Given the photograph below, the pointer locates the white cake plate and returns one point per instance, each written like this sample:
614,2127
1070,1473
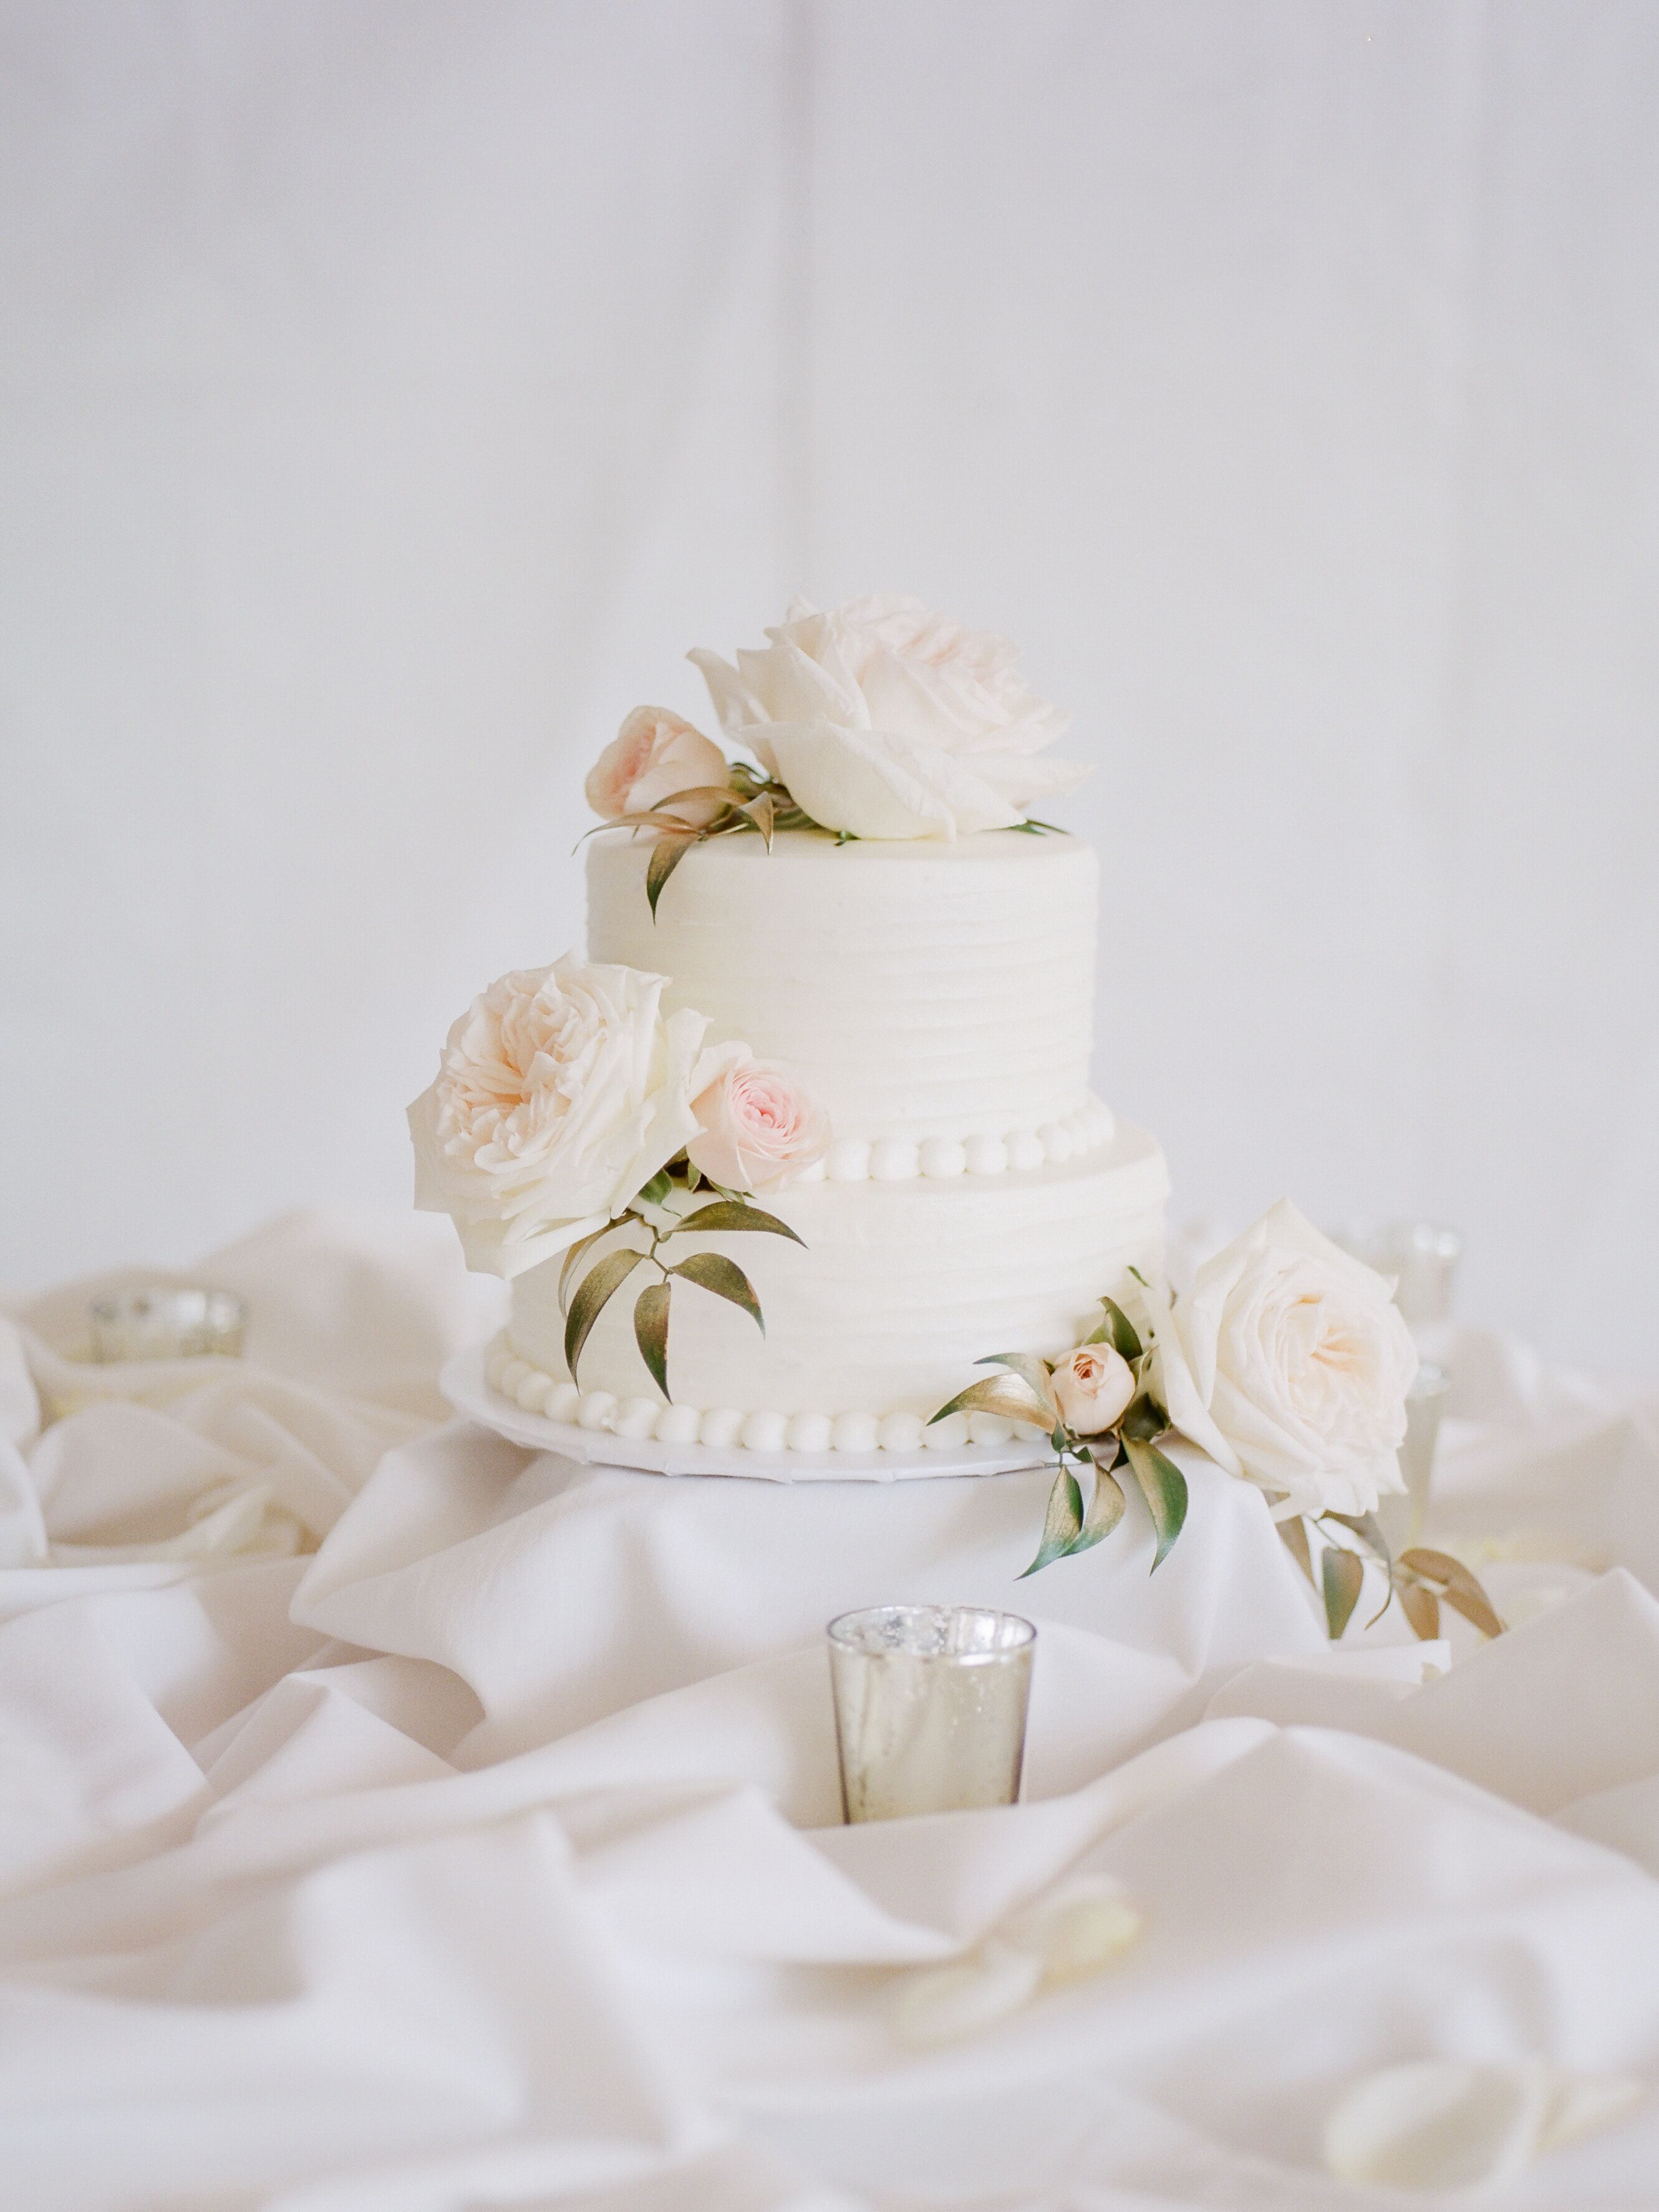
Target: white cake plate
463,1385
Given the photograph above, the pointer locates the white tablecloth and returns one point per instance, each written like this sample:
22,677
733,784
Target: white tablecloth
489,1855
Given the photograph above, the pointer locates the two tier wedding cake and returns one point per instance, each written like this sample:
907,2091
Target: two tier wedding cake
801,1157
931,999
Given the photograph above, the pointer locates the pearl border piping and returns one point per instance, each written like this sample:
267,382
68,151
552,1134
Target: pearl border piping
723,1425
901,1159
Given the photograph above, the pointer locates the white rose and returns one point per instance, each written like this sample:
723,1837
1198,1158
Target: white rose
757,1127
562,1091
890,721
1289,1363
1092,1385
653,759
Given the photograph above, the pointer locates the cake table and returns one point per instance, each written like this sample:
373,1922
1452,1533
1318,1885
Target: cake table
489,1855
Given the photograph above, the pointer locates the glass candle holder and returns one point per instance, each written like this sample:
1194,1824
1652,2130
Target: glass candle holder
1421,1257
931,1703
1402,1517
168,1323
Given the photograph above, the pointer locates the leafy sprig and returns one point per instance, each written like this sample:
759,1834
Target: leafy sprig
725,1213
1023,1392
1422,1580
749,803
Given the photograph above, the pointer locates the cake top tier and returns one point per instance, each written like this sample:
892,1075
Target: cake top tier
923,990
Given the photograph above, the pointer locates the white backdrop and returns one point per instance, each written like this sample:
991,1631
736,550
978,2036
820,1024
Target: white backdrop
392,391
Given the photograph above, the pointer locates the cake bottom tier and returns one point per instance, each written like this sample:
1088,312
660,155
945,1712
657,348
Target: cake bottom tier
902,1287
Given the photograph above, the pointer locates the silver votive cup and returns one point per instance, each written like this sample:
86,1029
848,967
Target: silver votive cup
1421,1257
167,1323
1402,1517
930,1708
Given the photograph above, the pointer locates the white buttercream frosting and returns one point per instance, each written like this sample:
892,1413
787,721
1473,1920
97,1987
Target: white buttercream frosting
975,1196
901,1289
922,991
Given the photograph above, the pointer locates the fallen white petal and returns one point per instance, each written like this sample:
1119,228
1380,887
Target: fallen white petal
1581,2103
943,2003
1437,2124
1076,1929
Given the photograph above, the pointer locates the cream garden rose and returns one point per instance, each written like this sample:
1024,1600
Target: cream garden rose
758,1128
1288,1363
653,758
1092,1388
562,1091
890,721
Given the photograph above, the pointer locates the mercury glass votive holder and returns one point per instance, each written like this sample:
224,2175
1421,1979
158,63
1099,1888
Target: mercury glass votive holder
168,1323
1421,1257
930,1708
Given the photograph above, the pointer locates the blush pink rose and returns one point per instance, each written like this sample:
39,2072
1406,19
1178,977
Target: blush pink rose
758,1128
1092,1385
654,757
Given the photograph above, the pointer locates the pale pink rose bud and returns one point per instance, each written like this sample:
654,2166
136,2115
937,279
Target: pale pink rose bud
654,757
1092,1385
758,1128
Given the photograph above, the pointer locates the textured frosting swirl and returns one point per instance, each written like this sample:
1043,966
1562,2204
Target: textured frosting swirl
922,990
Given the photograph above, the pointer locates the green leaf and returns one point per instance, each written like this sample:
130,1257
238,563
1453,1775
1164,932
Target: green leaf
698,794
1342,1573
1459,1587
847,837
662,817
651,1331
712,1271
1476,1606
724,1216
665,856
1368,1529
1421,1607
1105,1511
1293,1535
1143,1420
1009,1396
1165,1488
764,813
1031,1370
574,1255
1117,1330
658,1190
1061,1524
607,1276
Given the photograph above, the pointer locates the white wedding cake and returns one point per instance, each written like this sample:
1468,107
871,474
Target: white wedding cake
935,1000
800,1157
849,989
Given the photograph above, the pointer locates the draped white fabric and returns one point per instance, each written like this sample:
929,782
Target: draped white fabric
393,390
489,1855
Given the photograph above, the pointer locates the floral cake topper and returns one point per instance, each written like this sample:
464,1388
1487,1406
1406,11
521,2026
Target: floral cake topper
878,719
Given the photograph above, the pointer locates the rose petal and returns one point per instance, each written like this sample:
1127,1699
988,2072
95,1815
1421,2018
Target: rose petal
879,785
942,2004
1436,2125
